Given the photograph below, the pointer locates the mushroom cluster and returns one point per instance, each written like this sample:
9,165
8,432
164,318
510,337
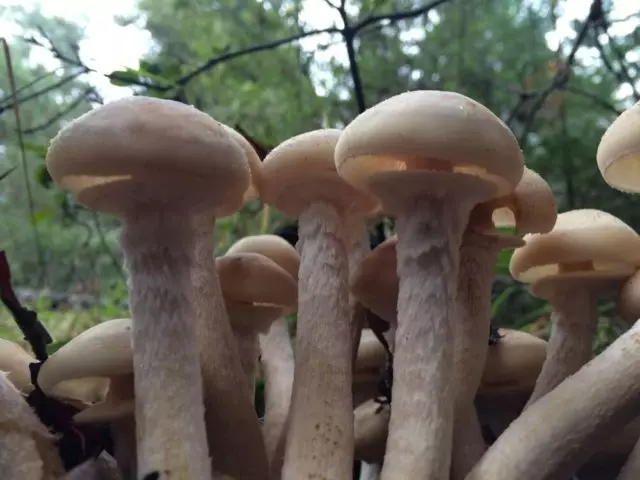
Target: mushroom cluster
394,371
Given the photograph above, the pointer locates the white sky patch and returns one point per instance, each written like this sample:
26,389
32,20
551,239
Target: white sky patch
109,47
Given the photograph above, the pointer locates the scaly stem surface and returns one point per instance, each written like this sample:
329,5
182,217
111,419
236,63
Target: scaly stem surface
421,424
172,442
233,430
278,372
320,437
478,255
575,318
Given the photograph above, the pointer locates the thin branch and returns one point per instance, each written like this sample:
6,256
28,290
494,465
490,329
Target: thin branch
622,61
69,108
32,96
31,84
594,98
394,17
103,242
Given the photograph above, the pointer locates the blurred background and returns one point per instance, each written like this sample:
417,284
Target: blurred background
558,72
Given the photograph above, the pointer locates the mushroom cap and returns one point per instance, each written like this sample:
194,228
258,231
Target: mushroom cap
371,358
375,281
104,350
618,154
302,171
253,160
513,363
14,362
628,302
426,140
141,152
274,248
587,247
250,283
370,431
531,208
119,403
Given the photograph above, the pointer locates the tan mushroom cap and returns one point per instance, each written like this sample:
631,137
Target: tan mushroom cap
375,282
256,290
513,363
530,208
371,426
371,358
587,247
427,139
14,362
302,170
253,160
628,302
274,248
104,350
618,154
119,403
140,152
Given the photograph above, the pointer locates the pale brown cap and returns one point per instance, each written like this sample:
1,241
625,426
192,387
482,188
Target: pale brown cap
629,299
371,426
587,247
419,139
253,160
274,248
119,402
301,171
513,363
375,282
371,358
619,152
256,290
142,153
14,362
104,350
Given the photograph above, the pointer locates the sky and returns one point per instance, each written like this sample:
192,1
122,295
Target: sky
109,47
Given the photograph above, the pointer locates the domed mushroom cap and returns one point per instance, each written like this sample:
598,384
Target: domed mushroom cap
301,171
371,425
14,362
375,282
618,154
419,139
256,290
274,248
371,358
531,208
586,246
513,363
629,299
253,160
142,152
104,350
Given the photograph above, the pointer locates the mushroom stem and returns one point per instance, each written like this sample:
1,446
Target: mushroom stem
421,424
172,441
233,430
575,319
357,250
369,471
123,430
603,397
320,437
478,255
248,350
277,368
631,468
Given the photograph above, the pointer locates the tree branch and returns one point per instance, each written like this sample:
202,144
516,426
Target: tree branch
50,121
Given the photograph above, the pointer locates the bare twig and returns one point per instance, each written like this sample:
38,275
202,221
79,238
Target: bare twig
69,108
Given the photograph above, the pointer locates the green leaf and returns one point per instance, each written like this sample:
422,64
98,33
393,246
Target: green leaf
124,78
43,215
39,150
43,177
501,299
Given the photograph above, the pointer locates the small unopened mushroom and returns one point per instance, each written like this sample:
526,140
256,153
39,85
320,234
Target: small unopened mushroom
103,350
559,432
27,448
588,254
618,154
430,157
300,180
257,292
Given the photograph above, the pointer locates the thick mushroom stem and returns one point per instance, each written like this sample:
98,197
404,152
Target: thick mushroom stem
320,437
233,430
172,441
575,319
421,424
478,255
248,351
603,397
123,430
278,371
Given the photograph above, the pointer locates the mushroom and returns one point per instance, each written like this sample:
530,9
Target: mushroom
370,362
550,439
232,425
257,292
157,164
618,153
530,208
276,352
588,254
27,449
300,180
103,350
371,425
430,156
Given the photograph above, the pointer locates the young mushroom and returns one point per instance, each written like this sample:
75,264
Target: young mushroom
588,254
530,208
430,157
157,164
300,180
